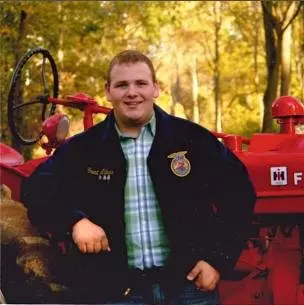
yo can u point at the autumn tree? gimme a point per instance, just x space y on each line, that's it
277 16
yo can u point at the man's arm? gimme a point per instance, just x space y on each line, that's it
233 194
43 195
234 197
52 205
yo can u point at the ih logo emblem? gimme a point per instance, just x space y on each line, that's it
180 165
278 175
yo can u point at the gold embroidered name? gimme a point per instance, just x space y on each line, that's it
106 171
100 172
93 172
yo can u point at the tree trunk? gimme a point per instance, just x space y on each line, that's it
273 62
60 53
216 76
286 61
18 52
175 87
302 59
275 24
194 76
256 34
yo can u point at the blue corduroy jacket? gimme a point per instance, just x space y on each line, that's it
86 176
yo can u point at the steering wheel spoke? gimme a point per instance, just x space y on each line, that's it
26 104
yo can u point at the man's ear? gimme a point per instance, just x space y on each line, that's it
156 90
107 90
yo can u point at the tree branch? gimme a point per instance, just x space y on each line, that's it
286 11
266 6
291 15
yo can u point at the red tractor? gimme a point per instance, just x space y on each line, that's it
270 270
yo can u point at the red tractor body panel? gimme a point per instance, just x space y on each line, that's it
13 169
276 166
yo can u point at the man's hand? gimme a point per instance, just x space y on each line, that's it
204 275
89 237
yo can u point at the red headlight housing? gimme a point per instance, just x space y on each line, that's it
56 129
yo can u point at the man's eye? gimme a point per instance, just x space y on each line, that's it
141 84
121 85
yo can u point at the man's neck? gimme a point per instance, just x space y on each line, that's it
132 131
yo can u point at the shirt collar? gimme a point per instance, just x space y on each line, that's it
151 126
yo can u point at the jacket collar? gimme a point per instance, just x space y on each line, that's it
163 127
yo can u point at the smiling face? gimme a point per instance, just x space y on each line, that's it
132 92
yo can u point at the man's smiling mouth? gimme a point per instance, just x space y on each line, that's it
132 103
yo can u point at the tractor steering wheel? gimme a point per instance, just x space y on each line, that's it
34 80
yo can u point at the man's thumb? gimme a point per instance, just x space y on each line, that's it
192 274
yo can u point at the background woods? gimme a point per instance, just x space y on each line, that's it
219 63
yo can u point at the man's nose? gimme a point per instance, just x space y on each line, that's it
132 90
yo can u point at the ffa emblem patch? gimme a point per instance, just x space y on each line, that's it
180 165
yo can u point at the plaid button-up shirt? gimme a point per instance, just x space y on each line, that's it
146 240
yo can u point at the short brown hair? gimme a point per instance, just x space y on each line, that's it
130 56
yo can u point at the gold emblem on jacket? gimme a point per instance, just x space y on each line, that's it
180 165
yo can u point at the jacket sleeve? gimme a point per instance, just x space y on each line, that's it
234 197
47 196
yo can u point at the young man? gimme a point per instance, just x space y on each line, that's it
137 193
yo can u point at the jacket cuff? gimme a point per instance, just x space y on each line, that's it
221 259
223 263
76 216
